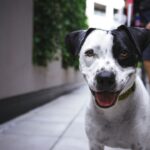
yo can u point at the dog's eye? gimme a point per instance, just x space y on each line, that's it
89 53
124 54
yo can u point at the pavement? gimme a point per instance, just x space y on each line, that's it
57 125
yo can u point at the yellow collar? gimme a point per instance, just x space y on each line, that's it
127 93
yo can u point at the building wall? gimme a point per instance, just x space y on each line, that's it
17 74
105 19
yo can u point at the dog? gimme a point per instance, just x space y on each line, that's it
118 114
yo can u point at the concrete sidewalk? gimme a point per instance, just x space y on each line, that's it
58 125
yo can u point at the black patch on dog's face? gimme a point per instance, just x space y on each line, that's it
124 50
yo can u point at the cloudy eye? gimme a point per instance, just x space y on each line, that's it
123 54
89 53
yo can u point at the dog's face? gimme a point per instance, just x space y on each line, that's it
108 65
108 62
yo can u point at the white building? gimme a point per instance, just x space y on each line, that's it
105 14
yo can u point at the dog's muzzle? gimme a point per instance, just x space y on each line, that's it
105 81
105 95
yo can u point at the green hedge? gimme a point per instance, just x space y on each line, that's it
53 19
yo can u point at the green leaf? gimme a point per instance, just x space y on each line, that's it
53 19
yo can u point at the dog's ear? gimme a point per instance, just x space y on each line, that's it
75 40
139 36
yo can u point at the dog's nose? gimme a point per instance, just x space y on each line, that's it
105 80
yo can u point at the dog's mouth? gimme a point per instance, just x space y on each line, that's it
105 99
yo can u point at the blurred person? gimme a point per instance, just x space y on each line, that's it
141 18
143 9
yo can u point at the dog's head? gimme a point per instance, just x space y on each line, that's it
108 59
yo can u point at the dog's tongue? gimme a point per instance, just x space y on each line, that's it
105 99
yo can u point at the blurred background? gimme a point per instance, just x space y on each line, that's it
36 69
33 57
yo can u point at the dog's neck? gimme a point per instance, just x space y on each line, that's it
127 93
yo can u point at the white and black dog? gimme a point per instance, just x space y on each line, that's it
119 111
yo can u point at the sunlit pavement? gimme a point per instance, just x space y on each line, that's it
58 125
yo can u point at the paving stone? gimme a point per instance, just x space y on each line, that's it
76 130
34 128
72 144
16 142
